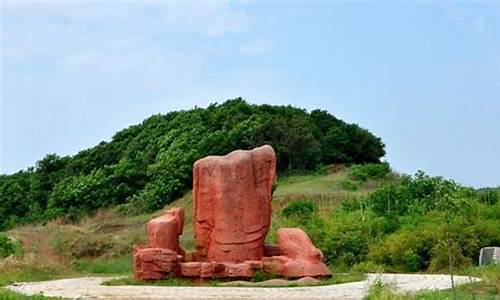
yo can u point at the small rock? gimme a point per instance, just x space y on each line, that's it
308 281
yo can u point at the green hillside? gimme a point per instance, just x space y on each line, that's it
363 218
102 243
149 165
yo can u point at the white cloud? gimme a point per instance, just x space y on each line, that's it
156 43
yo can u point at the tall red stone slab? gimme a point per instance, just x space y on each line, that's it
232 204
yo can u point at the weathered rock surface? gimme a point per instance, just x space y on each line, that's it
164 231
271 250
154 263
163 252
218 269
232 204
300 258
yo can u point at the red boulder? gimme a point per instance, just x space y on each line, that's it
232 204
164 231
300 258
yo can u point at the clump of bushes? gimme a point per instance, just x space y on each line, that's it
369 171
349 185
408 225
263 276
7 246
300 208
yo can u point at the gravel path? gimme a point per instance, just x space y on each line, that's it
90 288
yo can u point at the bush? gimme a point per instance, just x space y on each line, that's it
300 208
411 225
263 276
369 171
412 262
349 185
7 247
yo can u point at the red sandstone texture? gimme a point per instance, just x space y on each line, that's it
300 258
163 252
232 214
154 263
164 231
232 204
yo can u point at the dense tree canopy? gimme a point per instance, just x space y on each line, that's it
148 165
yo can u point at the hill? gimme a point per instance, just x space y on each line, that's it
149 165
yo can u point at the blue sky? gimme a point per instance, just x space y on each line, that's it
424 76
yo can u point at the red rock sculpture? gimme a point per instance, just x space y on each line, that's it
154 263
232 204
163 252
164 231
300 258
232 214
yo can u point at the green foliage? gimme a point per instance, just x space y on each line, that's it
29 267
149 165
119 265
369 171
300 208
409 224
7 247
10 295
349 185
263 276
417 195
381 291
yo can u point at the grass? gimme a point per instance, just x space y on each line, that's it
116 265
10 295
30 267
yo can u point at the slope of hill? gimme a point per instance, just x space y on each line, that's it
363 218
149 165
103 243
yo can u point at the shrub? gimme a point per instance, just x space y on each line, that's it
263 276
369 171
300 208
7 247
349 185
412 262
